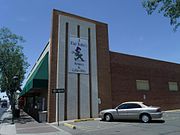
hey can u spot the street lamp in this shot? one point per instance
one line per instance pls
(15, 79)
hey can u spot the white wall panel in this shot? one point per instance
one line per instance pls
(94, 79)
(84, 97)
(84, 80)
(72, 97)
(61, 69)
(72, 79)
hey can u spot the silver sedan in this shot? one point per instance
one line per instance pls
(132, 111)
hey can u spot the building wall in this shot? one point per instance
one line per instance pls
(126, 69)
(78, 106)
(84, 93)
(111, 78)
(51, 108)
(104, 74)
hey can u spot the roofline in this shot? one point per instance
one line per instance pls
(39, 58)
(77, 16)
(141, 57)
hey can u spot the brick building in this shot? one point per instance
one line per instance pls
(77, 59)
(151, 81)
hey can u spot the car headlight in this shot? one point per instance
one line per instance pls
(101, 113)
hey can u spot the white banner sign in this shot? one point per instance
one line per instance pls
(78, 59)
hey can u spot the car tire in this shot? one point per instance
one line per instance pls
(145, 118)
(108, 117)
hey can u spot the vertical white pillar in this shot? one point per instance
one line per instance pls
(72, 78)
(84, 83)
(94, 79)
(72, 81)
(61, 69)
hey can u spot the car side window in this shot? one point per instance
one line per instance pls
(123, 106)
(129, 106)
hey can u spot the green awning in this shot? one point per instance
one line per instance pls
(39, 78)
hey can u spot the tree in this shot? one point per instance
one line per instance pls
(169, 8)
(13, 64)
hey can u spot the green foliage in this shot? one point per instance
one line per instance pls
(12, 61)
(169, 8)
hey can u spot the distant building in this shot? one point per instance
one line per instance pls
(77, 60)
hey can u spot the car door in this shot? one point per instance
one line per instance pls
(133, 111)
(122, 111)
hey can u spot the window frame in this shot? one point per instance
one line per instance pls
(170, 86)
(142, 82)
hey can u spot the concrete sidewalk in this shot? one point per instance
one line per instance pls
(26, 125)
(6, 128)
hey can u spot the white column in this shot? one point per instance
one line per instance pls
(72, 97)
(72, 81)
(84, 82)
(61, 69)
(94, 79)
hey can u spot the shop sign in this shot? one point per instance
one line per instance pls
(78, 59)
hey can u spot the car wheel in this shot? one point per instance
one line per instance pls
(108, 117)
(145, 118)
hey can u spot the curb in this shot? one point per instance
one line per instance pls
(86, 119)
(177, 110)
(70, 125)
(78, 120)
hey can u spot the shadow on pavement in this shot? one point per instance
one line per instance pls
(138, 121)
(158, 121)
(23, 119)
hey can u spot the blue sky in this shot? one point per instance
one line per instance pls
(131, 30)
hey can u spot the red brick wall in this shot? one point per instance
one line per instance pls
(126, 69)
(51, 108)
(103, 63)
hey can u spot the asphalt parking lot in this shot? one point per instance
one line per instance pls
(170, 125)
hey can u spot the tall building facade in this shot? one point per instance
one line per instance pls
(77, 50)
(77, 60)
